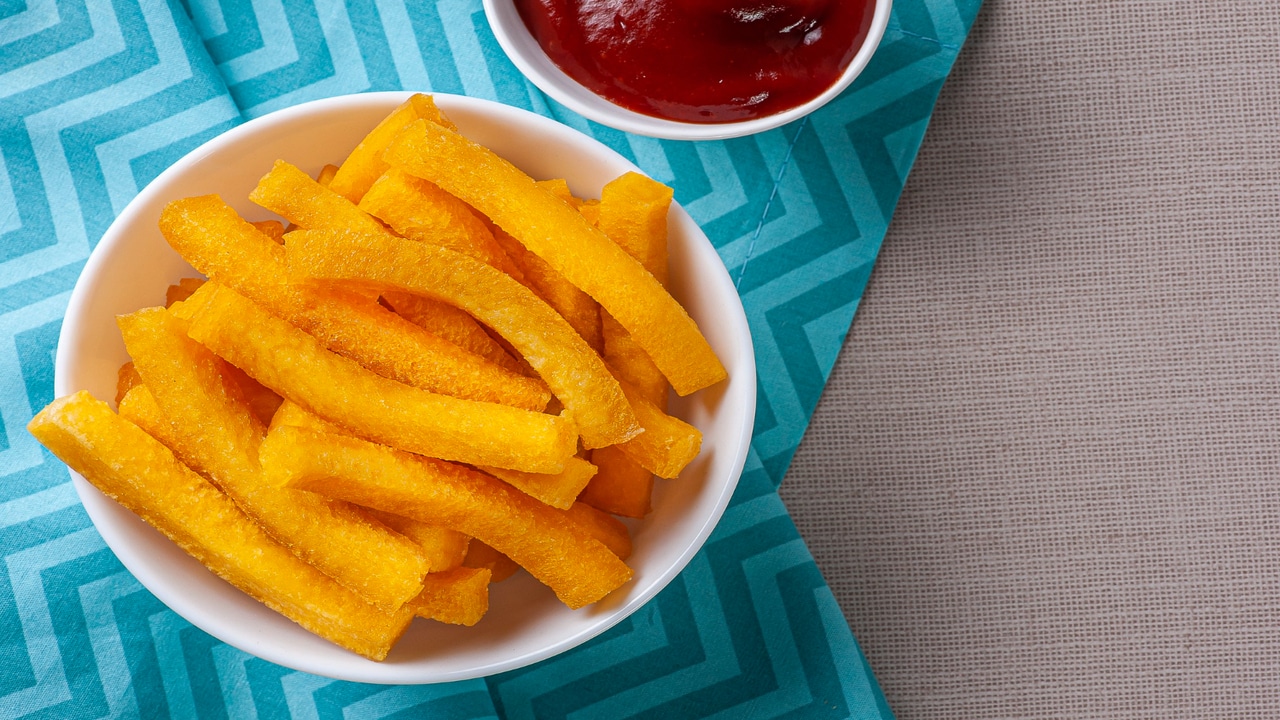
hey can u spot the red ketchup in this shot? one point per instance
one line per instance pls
(702, 61)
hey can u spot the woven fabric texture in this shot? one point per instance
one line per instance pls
(1044, 478)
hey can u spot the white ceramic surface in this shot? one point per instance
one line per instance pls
(132, 265)
(527, 55)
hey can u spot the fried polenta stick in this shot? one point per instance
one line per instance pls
(126, 378)
(363, 166)
(572, 370)
(603, 527)
(620, 486)
(480, 555)
(667, 444)
(421, 211)
(443, 549)
(557, 233)
(211, 236)
(559, 490)
(575, 306)
(182, 290)
(543, 540)
(295, 365)
(135, 470)
(191, 406)
(633, 213)
(459, 596)
(446, 321)
(294, 195)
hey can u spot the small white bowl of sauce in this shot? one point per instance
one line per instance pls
(690, 69)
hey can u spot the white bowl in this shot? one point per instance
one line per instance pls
(527, 55)
(132, 265)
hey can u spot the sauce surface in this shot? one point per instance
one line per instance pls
(703, 61)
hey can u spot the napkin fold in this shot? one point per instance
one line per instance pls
(97, 97)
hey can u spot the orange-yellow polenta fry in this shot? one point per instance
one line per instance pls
(207, 233)
(421, 211)
(625, 486)
(543, 540)
(620, 485)
(560, 235)
(444, 548)
(573, 371)
(560, 188)
(590, 211)
(667, 444)
(181, 291)
(271, 228)
(135, 470)
(126, 378)
(575, 306)
(262, 401)
(295, 365)
(603, 527)
(480, 555)
(448, 322)
(459, 596)
(630, 363)
(193, 409)
(326, 174)
(633, 213)
(365, 164)
(292, 194)
(559, 490)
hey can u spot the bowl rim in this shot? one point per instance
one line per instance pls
(98, 505)
(527, 55)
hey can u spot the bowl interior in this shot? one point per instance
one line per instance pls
(527, 55)
(132, 265)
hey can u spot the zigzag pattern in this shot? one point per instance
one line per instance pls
(99, 96)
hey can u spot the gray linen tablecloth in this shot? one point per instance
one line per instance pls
(1043, 481)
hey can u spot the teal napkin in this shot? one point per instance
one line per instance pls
(98, 96)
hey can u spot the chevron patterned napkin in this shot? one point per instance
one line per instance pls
(98, 96)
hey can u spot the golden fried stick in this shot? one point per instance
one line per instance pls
(273, 229)
(559, 490)
(557, 233)
(182, 290)
(294, 195)
(575, 306)
(325, 177)
(126, 378)
(630, 363)
(633, 213)
(191, 406)
(443, 549)
(421, 211)
(363, 166)
(132, 468)
(207, 233)
(448, 322)
(543, 540)
(480, 555)
(590, 211)
(560, 188)
(459, 596)
(295, 365)
(572, 370)
(603, 527)
(667, 444)
(620, 485)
